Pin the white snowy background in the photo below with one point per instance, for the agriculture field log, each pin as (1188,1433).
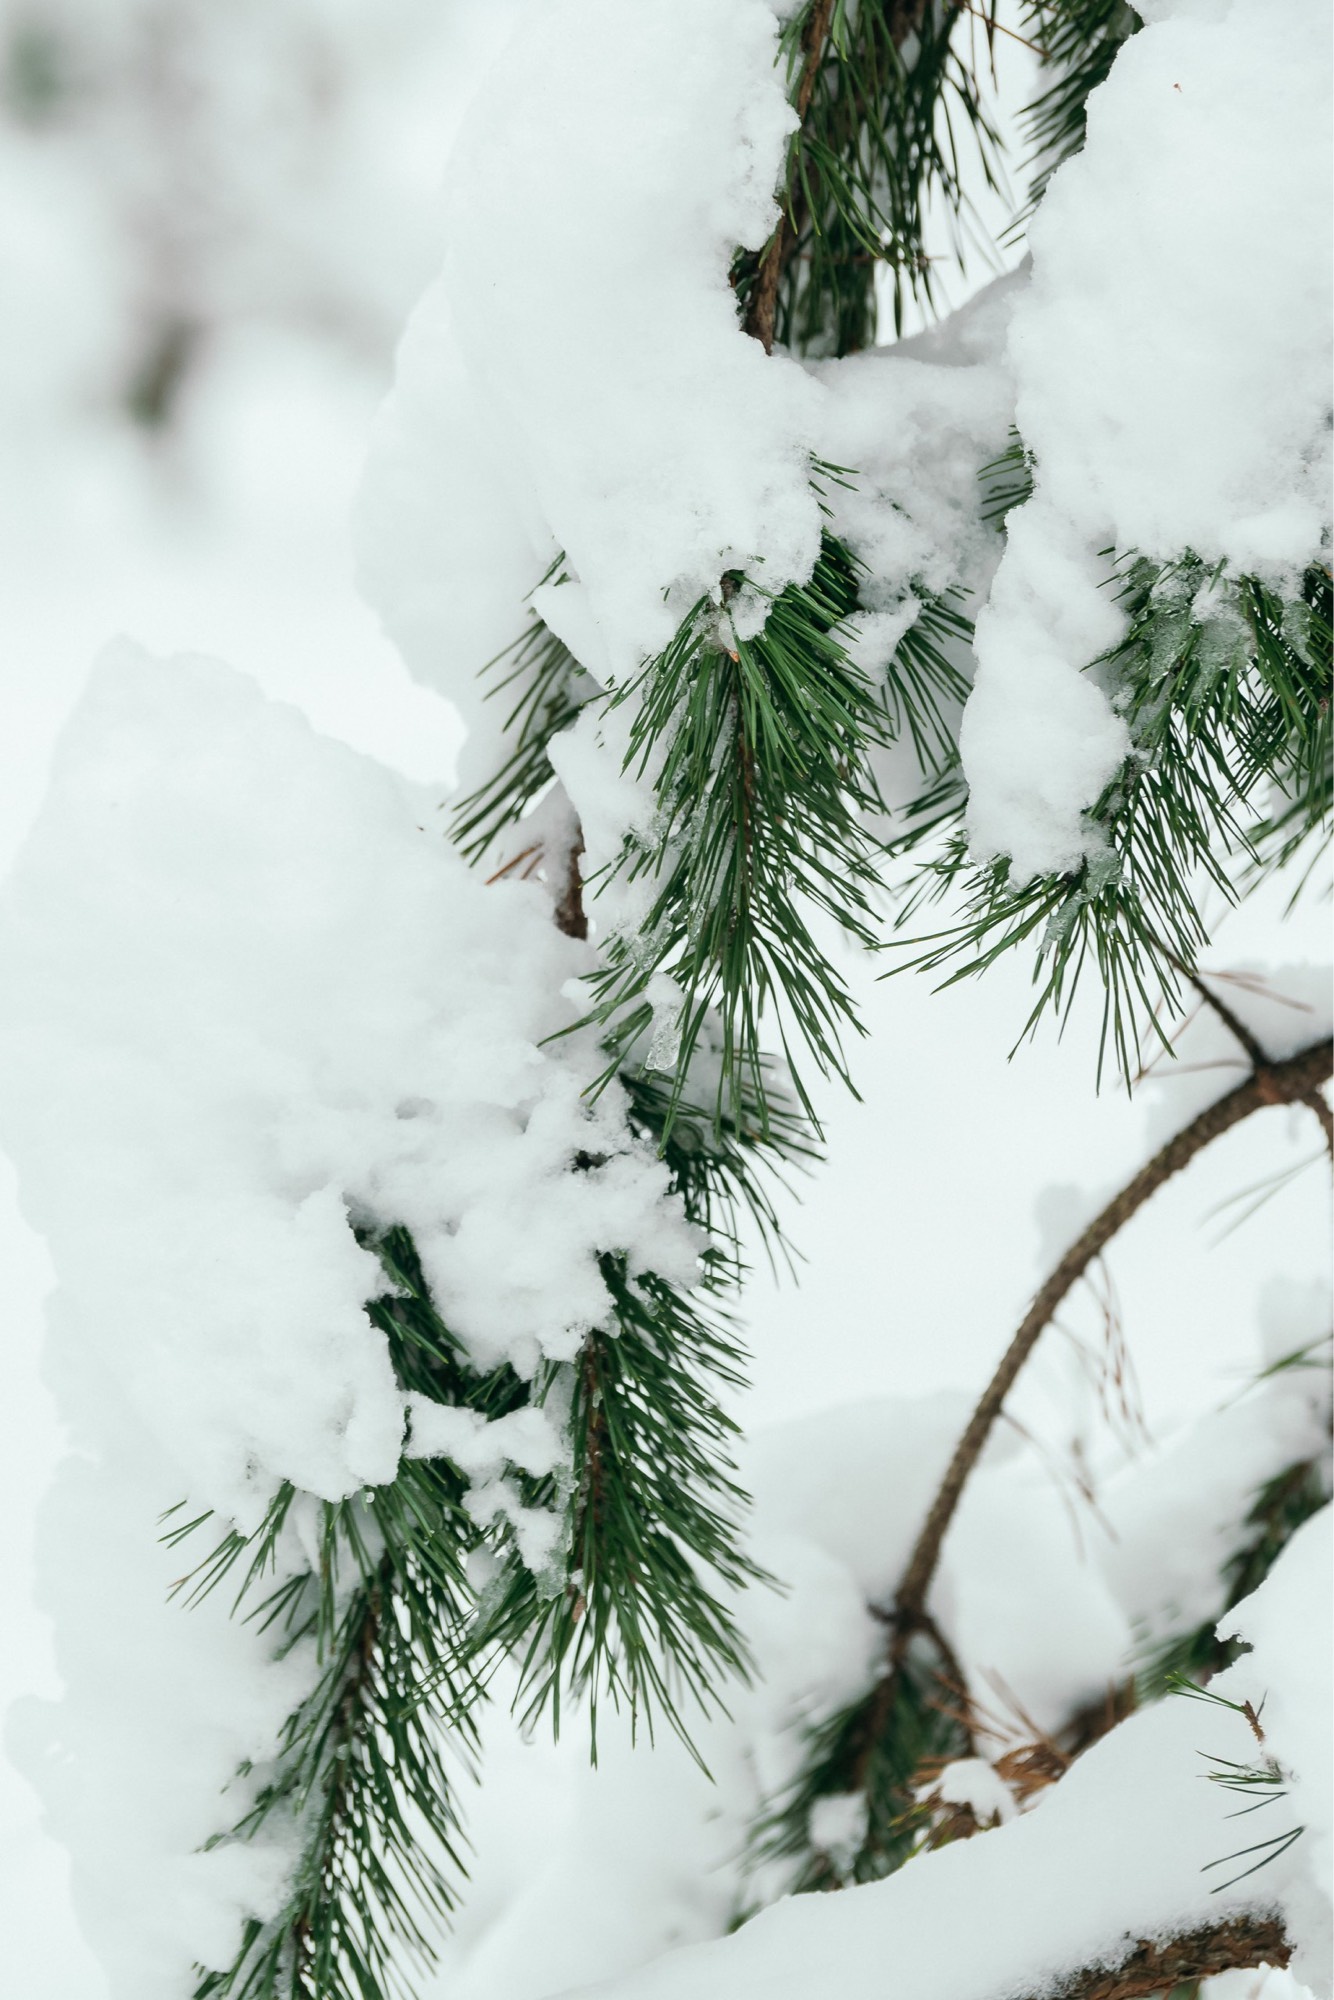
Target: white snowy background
(948,1187)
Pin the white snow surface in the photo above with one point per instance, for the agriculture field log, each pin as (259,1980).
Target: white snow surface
(1173,1519)
(582,386)
(160,1705)
(1169,402)
(1047,1604)
(1120,1850)
(577,380)
(1046,1608)
(252,997)
(1286,1677)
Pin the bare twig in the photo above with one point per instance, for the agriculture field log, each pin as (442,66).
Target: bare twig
(995,27)
(1294,1081)
(1158,1967)
(1236,1028)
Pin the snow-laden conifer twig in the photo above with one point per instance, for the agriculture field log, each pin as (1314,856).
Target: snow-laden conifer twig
(901,20)
(763,306)
(1295,1080)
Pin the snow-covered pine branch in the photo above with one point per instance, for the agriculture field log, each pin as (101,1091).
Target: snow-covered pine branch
(399,1196)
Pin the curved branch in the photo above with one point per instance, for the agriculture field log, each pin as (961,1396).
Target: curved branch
(1239,1945)
(1235,1026)
(1295,1081)
(1259,1060)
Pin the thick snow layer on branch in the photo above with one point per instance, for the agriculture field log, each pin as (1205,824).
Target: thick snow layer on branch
(252,998)
(1044,1613)
(578,379)
(1172,368)
(1120,1850)
(161,1705)
(1286,1677)
(915,425)
(1175,1518)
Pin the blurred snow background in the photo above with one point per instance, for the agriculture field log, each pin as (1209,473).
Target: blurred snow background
(213,221)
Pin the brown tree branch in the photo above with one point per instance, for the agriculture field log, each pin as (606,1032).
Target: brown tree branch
(904,18)
(1317,1102)
(763,308)
(1314,1099)
(1238,1945)
(571,916)
(1237,1028)
(1293,1081)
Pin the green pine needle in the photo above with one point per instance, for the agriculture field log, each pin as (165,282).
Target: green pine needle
(877,144)
(765,800)
(652,1527)
(1079,40)
(364,1779)
(877,1749)
(1224,686)
(548,688)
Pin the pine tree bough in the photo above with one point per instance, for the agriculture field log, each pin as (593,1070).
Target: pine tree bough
(913,1711)
(1156,1968)
(764,301)
(872,82)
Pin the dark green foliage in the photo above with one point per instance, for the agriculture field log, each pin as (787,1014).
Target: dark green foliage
(724,1167)
(652,1527)
(1224,687)
(398,1648)
(877,1746)
(764,790)
(359,1769)
(1007,482)
(652,1509)
(880,136)
(548,688)
(1280,1507)
(383,1617)
(924,691)
(1278,1510)
(1079,40)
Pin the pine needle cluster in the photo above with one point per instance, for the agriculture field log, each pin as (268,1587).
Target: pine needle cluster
(758,731)
(364,1782)
(873,1749)
(546,688)
(763,792)
(1078,40)
(760,748)
(653,1512)
(1224,684)
(881,101)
